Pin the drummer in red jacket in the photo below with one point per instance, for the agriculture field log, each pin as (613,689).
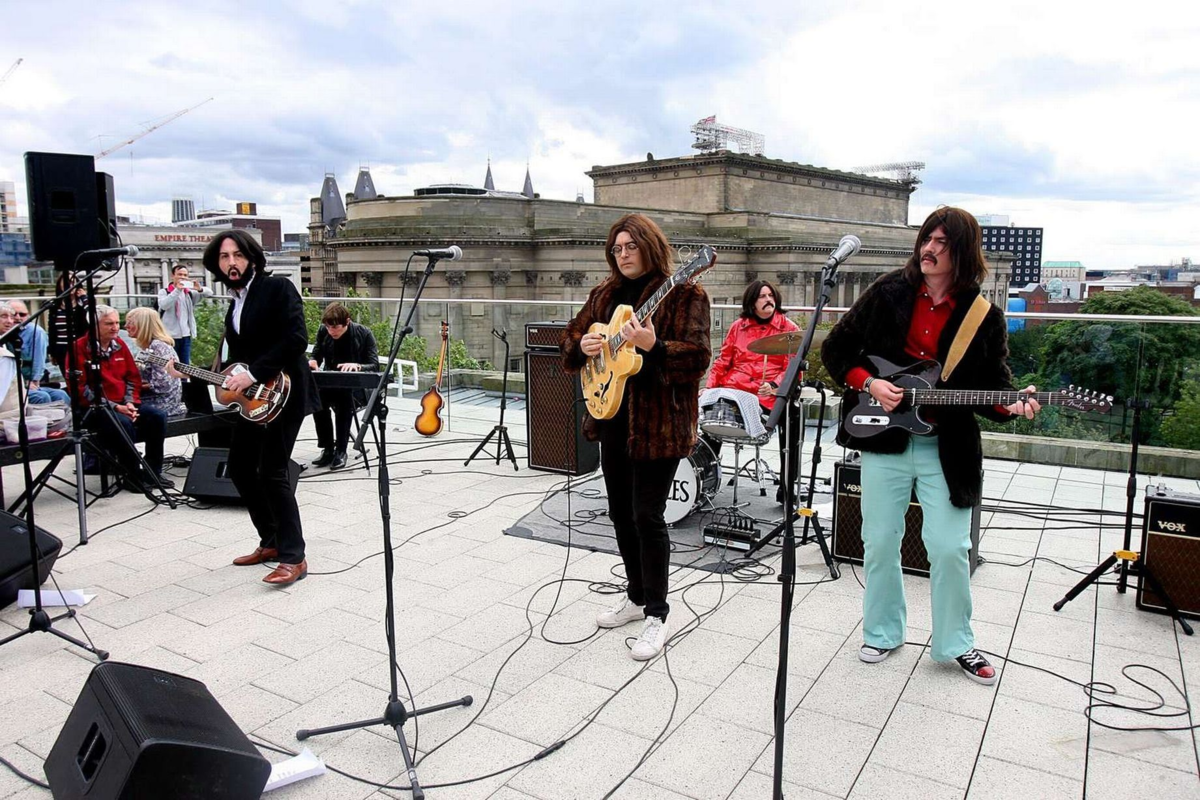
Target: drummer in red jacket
(737,368)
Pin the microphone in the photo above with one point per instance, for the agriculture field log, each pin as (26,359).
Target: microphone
(128,250)
(848,246)
(451,253)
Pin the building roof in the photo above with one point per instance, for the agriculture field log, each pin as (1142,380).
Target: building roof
(332,208)
(528,189)
(364,187)
(1062,265)
(487,181)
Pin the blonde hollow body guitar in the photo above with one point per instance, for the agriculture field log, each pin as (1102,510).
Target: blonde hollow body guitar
(605,374)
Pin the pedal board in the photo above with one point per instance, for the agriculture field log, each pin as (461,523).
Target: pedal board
(739,533)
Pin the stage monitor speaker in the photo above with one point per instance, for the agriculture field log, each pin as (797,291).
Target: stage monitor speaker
(847,542)
(1171,549)
(554,417)
(106,207)
(16,572)
(208,476)
(64,220)
(139,732)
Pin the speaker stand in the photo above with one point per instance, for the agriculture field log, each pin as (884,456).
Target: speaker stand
(500,431)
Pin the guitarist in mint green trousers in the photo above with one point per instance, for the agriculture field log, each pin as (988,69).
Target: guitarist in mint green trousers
(914,314)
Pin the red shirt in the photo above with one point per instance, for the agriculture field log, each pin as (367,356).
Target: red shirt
(120,380)
(924,331)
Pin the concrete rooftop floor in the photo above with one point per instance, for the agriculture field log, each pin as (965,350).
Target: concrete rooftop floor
(484,614)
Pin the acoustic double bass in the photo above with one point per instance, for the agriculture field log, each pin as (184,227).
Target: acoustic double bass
(429,421)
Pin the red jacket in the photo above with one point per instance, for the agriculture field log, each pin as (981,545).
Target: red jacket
(737,368)
(120,380)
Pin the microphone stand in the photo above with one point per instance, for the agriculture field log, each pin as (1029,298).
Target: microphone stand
(789,389)
(500,431)
(375,418)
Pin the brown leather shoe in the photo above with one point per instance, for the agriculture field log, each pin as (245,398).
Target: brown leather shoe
(287,574)
(259,555)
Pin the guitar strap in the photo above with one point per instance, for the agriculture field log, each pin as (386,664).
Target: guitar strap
(966,332)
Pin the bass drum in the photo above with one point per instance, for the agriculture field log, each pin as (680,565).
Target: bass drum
(697,478)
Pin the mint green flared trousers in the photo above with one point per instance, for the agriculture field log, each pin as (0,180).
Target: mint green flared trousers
(887,484)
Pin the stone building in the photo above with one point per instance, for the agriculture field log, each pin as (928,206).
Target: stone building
(765,218)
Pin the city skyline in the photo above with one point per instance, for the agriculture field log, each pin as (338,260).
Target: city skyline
(1060,122)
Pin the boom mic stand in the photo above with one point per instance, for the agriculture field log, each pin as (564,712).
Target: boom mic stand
(500,431)
(375,417)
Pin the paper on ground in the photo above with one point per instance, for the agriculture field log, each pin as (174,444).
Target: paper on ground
(296,768)
(69,597)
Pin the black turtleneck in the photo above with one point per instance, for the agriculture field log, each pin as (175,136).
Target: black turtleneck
(628,293)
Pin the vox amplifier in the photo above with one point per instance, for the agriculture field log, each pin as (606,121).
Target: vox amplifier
(544,335)
(847,542)
(1171,549)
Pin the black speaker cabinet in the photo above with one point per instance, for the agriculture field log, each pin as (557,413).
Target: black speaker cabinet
(16,572)
(847,542)
(208,476)
(1171,549)
(137,732)
(63,216)
(554,414)
(106,207)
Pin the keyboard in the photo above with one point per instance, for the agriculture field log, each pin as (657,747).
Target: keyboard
(336,379)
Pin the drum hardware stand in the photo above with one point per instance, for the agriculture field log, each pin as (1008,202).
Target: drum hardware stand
(500,431)
(1126,556)
(375,419)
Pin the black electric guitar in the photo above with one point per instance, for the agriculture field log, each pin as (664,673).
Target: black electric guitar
(862,416)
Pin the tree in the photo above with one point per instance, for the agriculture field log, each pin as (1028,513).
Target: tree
(1182,427)
(1124,359)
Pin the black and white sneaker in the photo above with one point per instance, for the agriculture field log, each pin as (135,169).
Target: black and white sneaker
(977,668)
(873,655)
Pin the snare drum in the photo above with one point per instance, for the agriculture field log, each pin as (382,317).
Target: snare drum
(697,478)
(723,420)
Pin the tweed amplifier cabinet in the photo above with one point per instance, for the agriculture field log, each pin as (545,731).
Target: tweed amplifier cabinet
(1171,549)
(554,414)
(846,541)
(544,335)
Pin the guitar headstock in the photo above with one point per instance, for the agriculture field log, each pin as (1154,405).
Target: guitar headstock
(445,330)
(1082,399)
(704,260)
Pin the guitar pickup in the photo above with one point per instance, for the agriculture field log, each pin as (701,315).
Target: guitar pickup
(869,420)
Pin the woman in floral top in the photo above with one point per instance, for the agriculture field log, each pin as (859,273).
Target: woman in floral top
(162,387)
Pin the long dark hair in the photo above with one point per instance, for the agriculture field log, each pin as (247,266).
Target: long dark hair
(965,242)
(251,249)
(651,242)
(750,298)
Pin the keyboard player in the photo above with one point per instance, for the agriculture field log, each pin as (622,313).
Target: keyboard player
(346,346)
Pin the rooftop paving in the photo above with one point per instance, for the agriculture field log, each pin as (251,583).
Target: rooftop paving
(511,621)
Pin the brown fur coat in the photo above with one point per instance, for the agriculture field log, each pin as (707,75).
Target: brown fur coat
(663,398)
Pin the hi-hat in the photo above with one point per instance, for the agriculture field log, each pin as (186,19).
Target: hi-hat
(784,344)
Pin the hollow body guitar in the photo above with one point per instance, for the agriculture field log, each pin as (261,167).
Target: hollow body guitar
(429,421)
(259,402)
(605,374)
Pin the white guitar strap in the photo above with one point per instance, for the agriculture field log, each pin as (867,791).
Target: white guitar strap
(966,332)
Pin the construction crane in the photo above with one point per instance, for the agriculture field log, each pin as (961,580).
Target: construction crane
(711,136)
(10,70)
(904,171)
(151,129)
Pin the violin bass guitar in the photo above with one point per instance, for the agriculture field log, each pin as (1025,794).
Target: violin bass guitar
(259,402)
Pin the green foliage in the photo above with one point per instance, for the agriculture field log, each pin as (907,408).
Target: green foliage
(210,326)
(1182,427)
(1124,359)
(460,358)
(1025,350)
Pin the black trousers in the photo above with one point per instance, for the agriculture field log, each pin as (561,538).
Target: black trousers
(341,402)
(793,440)
(637,499)
(258,467)
(150,428)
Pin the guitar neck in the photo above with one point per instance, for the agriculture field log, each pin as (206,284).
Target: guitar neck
(971,397)
(187,369)
(647,310)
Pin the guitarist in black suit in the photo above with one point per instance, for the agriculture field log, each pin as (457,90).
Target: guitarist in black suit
(914,314)
(265,330)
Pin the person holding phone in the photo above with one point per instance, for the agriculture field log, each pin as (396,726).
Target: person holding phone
(177,302)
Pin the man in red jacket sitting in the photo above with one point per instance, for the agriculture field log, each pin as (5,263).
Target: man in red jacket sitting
(737,368)
(121,392)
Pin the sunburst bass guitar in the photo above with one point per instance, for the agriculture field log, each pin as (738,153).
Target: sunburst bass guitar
(604,375)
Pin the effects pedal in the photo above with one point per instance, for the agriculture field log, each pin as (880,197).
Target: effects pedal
(735,533)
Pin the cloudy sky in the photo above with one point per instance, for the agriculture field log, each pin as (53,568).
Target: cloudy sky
(1059,114)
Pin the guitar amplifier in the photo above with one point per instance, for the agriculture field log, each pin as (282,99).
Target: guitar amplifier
(544,335)
(847,542)
(554,414)
(1171,549)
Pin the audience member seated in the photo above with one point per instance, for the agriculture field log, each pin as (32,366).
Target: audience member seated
(34,346)
(162,385)
(350,347)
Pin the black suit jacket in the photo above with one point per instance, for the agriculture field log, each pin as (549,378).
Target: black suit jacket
(362,342)
(273,339)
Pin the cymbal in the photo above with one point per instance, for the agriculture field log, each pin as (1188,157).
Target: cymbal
(784,344)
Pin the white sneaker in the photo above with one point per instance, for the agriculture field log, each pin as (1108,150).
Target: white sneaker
(622,613)
(651,642)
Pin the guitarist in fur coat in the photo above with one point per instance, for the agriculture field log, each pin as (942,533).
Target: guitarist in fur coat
(914,314)
(265,330)
(656,425)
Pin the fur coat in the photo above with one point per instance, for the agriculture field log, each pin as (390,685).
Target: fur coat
(877,325)
(663,398)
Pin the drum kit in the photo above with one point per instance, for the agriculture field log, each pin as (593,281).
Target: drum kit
(698,477)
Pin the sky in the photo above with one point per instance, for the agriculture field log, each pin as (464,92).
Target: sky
(1063,115)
